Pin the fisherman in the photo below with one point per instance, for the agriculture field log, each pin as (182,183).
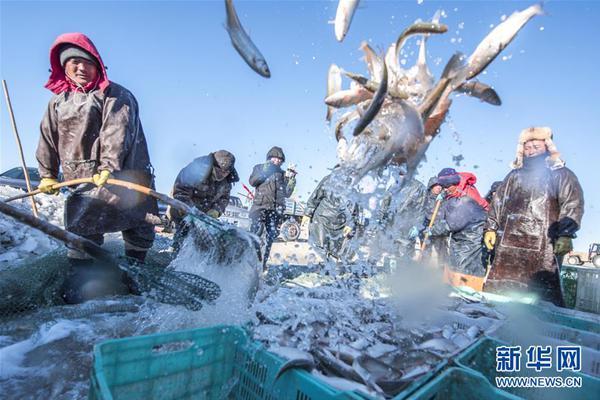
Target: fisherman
(439,244)
(533,219)
(91,129)
(206,184)
(273,186)
(466,186)
(462,218)
(493,189)
(332,218)
(402,207)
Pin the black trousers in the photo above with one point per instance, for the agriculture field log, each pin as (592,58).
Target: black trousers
(266,221)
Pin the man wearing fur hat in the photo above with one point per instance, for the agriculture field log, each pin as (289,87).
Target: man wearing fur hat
(533,219)
(273,186)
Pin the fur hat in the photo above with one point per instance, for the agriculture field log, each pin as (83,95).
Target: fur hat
(538,133)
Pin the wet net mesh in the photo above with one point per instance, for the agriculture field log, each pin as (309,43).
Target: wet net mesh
(38,282)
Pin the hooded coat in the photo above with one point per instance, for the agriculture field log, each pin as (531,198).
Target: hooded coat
(196,186)
(462,218)
(466,186)
(272,186)
(329,214)
(535,204)
(99,129)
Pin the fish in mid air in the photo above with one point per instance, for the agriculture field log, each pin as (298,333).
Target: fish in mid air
(343,17)
(243,44)
(499,38)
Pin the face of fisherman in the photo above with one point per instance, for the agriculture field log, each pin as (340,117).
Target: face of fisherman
(451,189)
(276,160)
(436,189)
(81,71)
(534,148)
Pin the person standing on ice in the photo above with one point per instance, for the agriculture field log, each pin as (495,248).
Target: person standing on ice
(273,186)
(92,129)
(462,218)
(206,184)
(533,219)
(438,243)
(332,218)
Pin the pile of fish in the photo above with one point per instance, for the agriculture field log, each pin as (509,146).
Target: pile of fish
(398,112)
(354,333)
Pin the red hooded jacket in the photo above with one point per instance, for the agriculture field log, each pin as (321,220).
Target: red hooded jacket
(58,82)
(466,187)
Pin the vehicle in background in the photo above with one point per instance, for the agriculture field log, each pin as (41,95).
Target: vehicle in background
(15,178)
(236,214)
(580,258)
(291,227)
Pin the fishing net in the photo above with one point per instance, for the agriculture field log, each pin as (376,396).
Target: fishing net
(38,282)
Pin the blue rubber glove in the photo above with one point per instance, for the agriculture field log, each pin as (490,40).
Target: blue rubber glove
(440,197)
(426,231)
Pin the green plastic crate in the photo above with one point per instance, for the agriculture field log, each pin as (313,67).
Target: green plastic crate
(460,384)
(482,358)
(210,363)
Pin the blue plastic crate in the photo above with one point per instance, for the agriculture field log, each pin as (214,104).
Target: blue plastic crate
(460,384)
(211,363)
(482,358)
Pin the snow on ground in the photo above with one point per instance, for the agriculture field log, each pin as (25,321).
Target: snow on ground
(18,241)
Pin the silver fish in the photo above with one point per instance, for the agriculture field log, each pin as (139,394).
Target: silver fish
(453,72)
(481,91)
(243,44)
(375,105)
(334,85)
(424,75)
(343,17)
(439,345)
(419,28)
(374,62)
(499,38)
(349,97)
(372,86)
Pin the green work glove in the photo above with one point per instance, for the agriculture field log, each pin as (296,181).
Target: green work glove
(489,239)
(563,245)
(46,185)
(213,213)
(101,178)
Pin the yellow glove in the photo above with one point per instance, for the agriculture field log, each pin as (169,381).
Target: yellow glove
(213,213)
(101,178)
(305,220)
(347,230)
(46,185)
(489,239)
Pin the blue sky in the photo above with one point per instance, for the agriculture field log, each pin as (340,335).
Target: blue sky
(197,95)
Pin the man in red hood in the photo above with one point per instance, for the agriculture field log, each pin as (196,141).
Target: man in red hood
(465,185)
(91,128)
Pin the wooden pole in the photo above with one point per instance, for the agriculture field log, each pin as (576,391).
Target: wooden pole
(16,132)
(431,222)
